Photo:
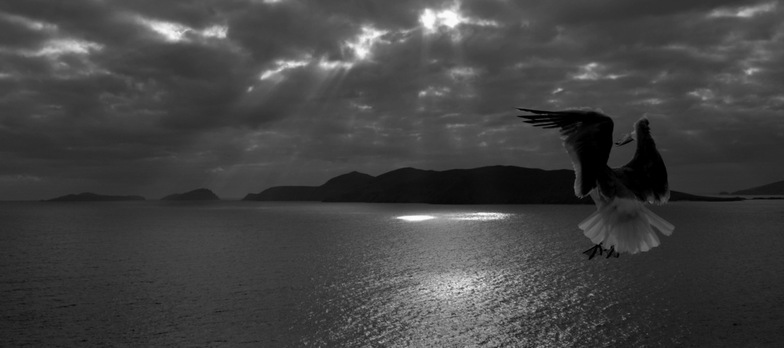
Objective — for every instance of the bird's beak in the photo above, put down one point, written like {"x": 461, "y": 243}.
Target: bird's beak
{"x": 628, "y": 138}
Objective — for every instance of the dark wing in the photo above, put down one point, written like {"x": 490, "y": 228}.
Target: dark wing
{"x": 587, "y": 137}
{"x": 645, "y": 175}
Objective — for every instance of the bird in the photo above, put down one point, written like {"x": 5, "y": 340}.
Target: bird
{"x": 622, "y": 223}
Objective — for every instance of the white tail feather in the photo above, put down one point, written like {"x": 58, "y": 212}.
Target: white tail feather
{"x": 625, "y": 224}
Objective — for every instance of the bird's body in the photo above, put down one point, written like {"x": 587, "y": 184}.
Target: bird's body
{"x": 621, "y": 222}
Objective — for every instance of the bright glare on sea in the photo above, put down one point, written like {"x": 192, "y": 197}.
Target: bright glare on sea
{"x": 382, "y": 275}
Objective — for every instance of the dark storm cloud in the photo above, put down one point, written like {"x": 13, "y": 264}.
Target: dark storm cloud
{"x": 244, "y": 94}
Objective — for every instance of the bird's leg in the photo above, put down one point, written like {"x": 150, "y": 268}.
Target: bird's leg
{"x": 612, "y": 251}
{"x": 599, "y": 249}
{"x": 593, "y": 250}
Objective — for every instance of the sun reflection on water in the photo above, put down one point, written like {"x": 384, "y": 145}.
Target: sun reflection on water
{"x": 482, "y": 216}
{"x": 476, "y": 216}
{"x": 452, "y": 286}
{"x": 416, "y": 218}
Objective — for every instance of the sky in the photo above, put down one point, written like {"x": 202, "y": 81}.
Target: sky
{"x": 157, "y": 97}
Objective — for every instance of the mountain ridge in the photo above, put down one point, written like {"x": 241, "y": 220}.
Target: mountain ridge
{"x": 94, "y": 197}
{"x": 774, "y": 188}
{"x": 200, "y": 194}
{"x": 483, "y": 185}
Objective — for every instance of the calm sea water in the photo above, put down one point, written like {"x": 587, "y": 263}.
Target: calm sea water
{"x": 378, "y": 275}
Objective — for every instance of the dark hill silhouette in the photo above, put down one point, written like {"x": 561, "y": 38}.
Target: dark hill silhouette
{"x": 335, "y": 186}
{"x": 286, "y": 193}
{"x": 682, "y": 196}
{"x": 93, "y": 197}
{"x": 345, "y": 183}
{"x": 201, "y": 194}
{"x": 776, "y": 188}
{"x": 485, "y": 185}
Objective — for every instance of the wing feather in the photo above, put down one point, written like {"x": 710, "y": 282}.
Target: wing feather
{"x": 646, "y": 173}
{"x": 587, "y": 137}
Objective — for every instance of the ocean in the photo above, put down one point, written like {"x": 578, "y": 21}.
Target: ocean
{"x": 259, "y": 274}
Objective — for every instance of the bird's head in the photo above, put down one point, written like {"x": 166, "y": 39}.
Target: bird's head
{"x": 642, "y": 126}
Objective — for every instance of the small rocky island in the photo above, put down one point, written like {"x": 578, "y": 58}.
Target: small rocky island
{"x": 94, "y": 197}
{"x": 201, "y": 194}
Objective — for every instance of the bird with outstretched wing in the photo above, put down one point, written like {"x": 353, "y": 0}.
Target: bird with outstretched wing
{"x": 621, "y": 223}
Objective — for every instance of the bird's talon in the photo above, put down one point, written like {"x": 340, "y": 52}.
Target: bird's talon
{"x": 593, "y": 250}
{"x": 598, "y": 249}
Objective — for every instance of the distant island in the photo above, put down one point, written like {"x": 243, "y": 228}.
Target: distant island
{"x": 682, "y": 196}
{"x": 93, "y": 197}
{"x": 776, "y": 188}
{"x": 201, "y": 194}
{"x": 484, "y": 185}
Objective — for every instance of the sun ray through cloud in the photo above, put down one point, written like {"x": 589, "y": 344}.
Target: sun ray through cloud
{"x": 382, "y": 86}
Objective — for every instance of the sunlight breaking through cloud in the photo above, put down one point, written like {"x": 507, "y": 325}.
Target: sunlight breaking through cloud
{"x": 595, "y": 71}
{"x": 588, "y": 72}
{"x": 170, "y": 31}
{"x": 216, "y": 31}
{"x": 361, "y": 47}
{"x": 282, "y": 65}
{"x": 449, "y": 20}
{"x": 363, "y": 44}
{"x": 462, "y": 73}
{"x": 176, "y": 32}
{"x": 57, "y": 47}
{"x": 703, "y": 94}
{"x": 432, "y": 91}
{"x": 66, "y": 57}
{"x": 334, "y": 64}
{"x": 743, "y": 12}
{"x": 277, "y": 73}
{"x": 431, "y": 20}
{"x": 350, "y": 86}
{"x": 54, "y": 48}
{"x": 28, "y": 23}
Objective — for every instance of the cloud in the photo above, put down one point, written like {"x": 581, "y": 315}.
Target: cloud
{"x": 248, "y": 94}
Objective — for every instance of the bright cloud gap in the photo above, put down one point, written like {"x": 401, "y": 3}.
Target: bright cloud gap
{"x": 362, "y": 46}
{"x": 449, "y": 19}
{"x": 176, "y": 32}
{"x": 743, "y": 12}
